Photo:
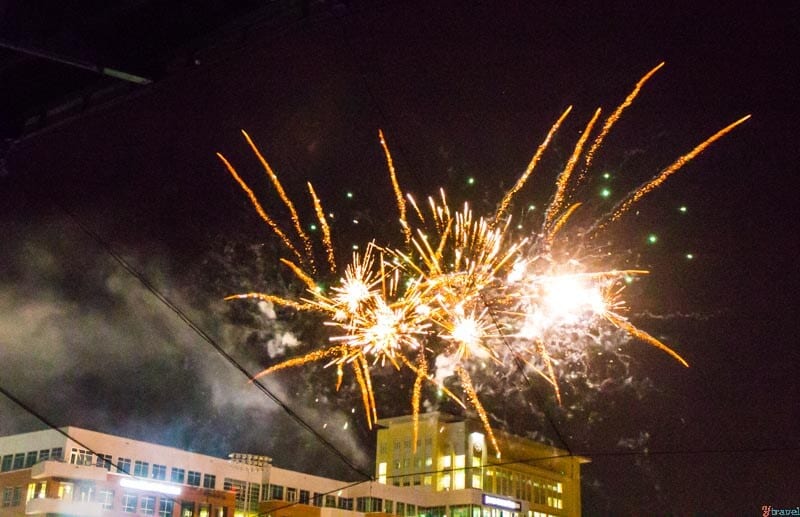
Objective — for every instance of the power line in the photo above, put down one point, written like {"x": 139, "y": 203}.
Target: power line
{"x": 105, "y": 246}
{"x": 60, "y": 430}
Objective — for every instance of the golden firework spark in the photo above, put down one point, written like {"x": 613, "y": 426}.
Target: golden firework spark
{"x": 463, "y": 290}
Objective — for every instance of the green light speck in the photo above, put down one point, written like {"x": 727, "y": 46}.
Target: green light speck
{"x": 605, "y": 192}
{"x": 652, "y": 238}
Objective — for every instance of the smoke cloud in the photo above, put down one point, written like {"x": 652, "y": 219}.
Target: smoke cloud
{"x": 83, "y": 342}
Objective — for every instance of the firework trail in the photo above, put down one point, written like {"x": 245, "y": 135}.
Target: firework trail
{"x": 463, "y": 293}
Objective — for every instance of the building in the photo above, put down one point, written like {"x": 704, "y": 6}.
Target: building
{"x": 448, "y": 472}
{"x": 453, "y": 463}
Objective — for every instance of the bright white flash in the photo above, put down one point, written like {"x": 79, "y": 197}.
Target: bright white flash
{"x": 569, "y": 297}
{"x": 353, "y": 292}
{"x": 383, "y": 333}
{"x": 467, "y": 331}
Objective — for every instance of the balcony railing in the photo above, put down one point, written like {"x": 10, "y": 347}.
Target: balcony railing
{"x": 47, "y": 469}
{"x": 63, "y": 507}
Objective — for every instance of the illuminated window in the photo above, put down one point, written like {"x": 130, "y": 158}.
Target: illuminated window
{"x": 382, "y": 473}
{"x": 445, "y": 462}
{"x": 187, "y": 509}
{"x": 193, "y": 478}
{"x": 165, "y": 507}
{"x": 106, "y": 498}
{"x": 37, "y": 490}
{"x": 129, "y": 503}
{"x": 177, "y": 475}
{"x": 476, "y": 481}
{"x": 141, "y": 468}
{"x": 65, "y": 490}
{"x": 444, "y": 482}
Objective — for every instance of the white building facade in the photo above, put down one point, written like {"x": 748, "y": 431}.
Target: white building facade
{"x": 74, "y": 471}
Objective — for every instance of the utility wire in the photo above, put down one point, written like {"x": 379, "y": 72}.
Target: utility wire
{"x": 521, "y": 367}
{"x": 105, "y": 246}
{"x": 60, "y": 430}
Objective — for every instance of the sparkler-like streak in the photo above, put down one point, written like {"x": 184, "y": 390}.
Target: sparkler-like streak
{"x": 464, "y": 291}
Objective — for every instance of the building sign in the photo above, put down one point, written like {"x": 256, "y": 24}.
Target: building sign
{"x": 501, "y": 502}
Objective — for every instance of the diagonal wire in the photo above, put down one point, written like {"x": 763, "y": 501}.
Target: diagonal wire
{"x": 105, "y": 246}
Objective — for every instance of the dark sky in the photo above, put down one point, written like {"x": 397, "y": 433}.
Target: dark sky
{"x": 461, "y": 89}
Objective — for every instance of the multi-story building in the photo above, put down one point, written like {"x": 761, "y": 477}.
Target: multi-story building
{"x": 452, "y": 462}
{"x": 448, "y": 472}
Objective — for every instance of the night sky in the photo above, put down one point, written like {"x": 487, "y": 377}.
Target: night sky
{"x": 134, "y": 191}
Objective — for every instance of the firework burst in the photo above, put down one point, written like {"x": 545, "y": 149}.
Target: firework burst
{"x": 462, "y": 289}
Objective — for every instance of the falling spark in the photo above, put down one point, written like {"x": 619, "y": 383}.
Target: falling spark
{"x": 282, "y": 194}
{"x": 614, "y": 117}
{"x": 680, "y": 162}
{"x": 465, "y": 293}
{"x": 398, "y": 193}
{"x": 326, "y": 230}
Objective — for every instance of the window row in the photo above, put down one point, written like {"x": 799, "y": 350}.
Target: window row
{"x": 23, "y": 460}
{"x": 146, "y": 505}
{"x": 143, "y": 469}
